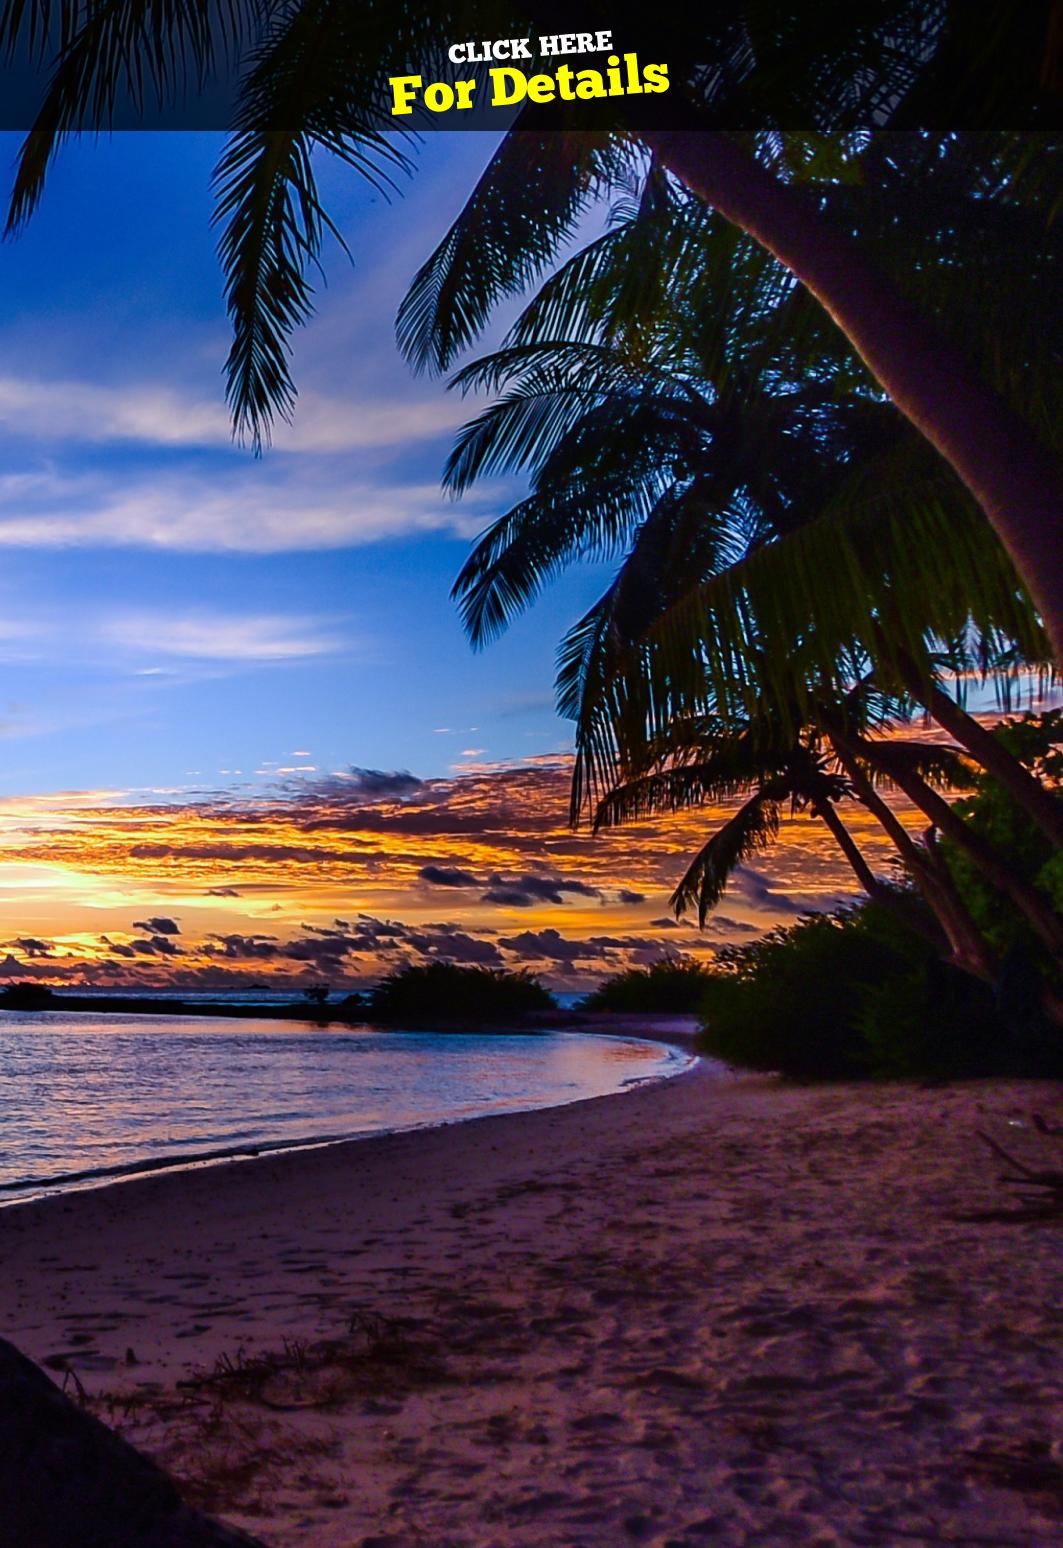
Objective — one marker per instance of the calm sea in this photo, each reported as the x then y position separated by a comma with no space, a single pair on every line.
86,1098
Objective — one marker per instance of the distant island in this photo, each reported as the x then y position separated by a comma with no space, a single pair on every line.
438,996
38,997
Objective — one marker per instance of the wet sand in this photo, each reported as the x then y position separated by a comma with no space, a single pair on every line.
716,1310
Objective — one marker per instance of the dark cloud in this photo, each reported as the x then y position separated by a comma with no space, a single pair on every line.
526,890
11,967
715,922
609,951
331,941
739,926
448,876
758,890
156,946
380,928
627,896
437,941
32,947
326,946
158,926
222,892
647,953
421,821
375,784
240,948
455,946
550,944
233,854
509,897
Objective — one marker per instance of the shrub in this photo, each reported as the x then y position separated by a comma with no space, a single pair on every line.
993,814
27,997
444,992
857,994
673,986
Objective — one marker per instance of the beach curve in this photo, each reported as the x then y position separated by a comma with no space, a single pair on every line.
711,1309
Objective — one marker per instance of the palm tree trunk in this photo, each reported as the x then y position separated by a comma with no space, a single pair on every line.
847,844
870,882
1016,480
1039,804
969,950
1032,903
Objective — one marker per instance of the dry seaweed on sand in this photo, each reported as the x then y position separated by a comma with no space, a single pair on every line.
374,1351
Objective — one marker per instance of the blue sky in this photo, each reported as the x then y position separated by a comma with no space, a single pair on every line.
197,646
175,613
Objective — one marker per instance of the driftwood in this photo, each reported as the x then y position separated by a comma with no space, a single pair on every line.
66,1479
1042,1187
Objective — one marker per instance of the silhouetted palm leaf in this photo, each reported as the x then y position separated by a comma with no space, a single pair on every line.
307,75
116,51
754,827
527,203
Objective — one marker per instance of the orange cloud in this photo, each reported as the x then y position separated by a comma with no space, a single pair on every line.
347,876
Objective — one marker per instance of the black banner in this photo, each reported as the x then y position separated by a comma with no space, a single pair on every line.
333,66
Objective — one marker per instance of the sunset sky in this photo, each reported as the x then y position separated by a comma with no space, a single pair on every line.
203,652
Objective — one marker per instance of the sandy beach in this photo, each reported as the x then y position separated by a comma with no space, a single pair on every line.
715,1310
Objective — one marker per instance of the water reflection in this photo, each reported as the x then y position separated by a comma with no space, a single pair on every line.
82,1094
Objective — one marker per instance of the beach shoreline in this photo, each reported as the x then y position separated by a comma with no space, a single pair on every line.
676,1034
712,1308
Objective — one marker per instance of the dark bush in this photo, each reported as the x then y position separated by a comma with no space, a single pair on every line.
27,997
674,986
442,992
858,994
996,817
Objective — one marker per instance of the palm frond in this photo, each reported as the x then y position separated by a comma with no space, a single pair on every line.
114,53
753,828
37,26
305,76
941,767
534,541
527,203
793,612
552,392
727,770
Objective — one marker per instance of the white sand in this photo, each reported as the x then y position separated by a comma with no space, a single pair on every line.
713,1311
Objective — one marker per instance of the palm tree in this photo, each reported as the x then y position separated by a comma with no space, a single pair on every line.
618,693
1016,479
705,762
931,358
682,428
670,437
318,79
996,867
924,865
701,760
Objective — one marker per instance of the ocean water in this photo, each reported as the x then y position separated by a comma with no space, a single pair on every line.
85,1099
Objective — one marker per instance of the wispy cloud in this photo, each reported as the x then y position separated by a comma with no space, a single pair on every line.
225,636
329,424
240,510
149,414
66,410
